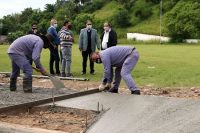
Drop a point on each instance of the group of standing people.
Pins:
(24, 50)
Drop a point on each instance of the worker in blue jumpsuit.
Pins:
(20, 52)
(124, 58)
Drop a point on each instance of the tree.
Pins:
(121, 18)
(183, 21)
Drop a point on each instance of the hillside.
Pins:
(148, 25)
(141, 16)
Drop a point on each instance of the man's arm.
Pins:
(36, 54)
(107, 69)
(81, 40)
(97, 40)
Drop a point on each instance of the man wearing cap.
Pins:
(124, 58)
(20, 52)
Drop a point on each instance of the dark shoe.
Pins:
(13, 84)
(27, 85)
(93, 73)
(69, 75)
(136, 92)
(83, 73)
(58, 74)
(113, 90)
(63, 75)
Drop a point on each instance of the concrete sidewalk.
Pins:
(140, 114)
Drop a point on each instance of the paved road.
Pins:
(140, 114)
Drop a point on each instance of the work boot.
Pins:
(13, 84)
(27, 85)
(113, 90)
(135, 92)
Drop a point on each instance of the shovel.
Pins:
(56, 81)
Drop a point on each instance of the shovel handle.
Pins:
(38, 70)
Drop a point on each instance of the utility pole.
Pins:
(160, 21)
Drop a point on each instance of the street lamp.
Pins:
(1, 29)
(160, 20)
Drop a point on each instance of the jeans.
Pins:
(66, 59)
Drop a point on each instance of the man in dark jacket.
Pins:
(54, 56)
(108, 37)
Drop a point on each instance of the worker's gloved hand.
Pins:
(44, 72)
(108, 86)
(101, 87)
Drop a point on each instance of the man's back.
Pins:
(116, 55)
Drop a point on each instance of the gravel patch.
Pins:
(8, 98)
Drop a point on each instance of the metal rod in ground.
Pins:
(53, 97)
(86, 119)
(101, 107)
(98, 107)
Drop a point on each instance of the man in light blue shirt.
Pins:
(124, 58)
(20, 52)
(54, 56)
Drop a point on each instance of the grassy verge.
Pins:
(159, 65)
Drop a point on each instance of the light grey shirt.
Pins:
(29, 46)
(114, 57)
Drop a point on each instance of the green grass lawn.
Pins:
(159, 65)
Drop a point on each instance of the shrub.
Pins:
(93, 6)
(80, 21)
(183, 21)
(14, 35)
(143, 12)
(121, 18)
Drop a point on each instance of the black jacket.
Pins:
(112, 40)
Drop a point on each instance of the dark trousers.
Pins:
(85, 55)
(54, 57)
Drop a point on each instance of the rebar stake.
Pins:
(98, 107)
(86, 119)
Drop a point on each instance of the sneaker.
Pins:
(113, 90)
(135, 92)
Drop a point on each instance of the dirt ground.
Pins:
(71, 121)
(53, 118)
(180, 92)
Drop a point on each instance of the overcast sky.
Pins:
(16, 6)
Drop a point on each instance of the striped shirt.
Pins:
(66, 37)
(114, 57)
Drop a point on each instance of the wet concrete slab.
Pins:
(140, 114)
